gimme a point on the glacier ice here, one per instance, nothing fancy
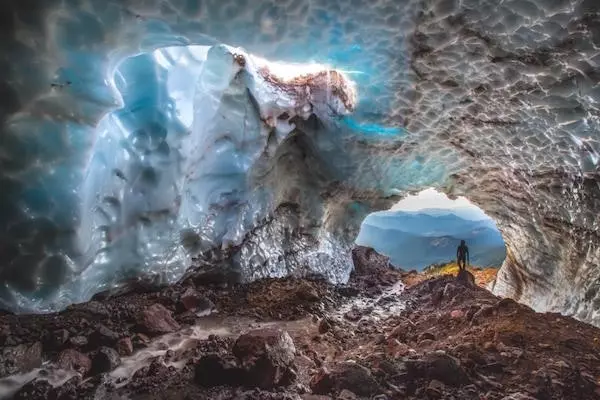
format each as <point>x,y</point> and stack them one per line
<point>176,171</point>
<point>104,132</point>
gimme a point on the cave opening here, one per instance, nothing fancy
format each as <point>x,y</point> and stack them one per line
<point>425,229</point>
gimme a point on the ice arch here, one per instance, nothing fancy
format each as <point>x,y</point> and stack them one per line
<point>426,228</point>
<point>497,101</point>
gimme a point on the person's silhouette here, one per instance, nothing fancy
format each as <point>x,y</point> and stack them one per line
<point>462,255</point>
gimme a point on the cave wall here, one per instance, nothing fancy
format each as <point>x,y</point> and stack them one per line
<point>496,101</point>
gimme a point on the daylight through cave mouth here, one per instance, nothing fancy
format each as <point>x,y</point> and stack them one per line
<point>425,229</point>
<point>107,179</point>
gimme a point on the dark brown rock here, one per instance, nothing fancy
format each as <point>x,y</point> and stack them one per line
<point>71,359</point>
<point>68,390</point>
<point>21,358</point>
<point>105,360</point>
<point>366,258</point>
<point>306,292</point>
<point>94,307</point>
<point>36,389</point>
<point>78,341</point>
<point>267,356</point>
<point>191,300</point>
<point>348,291</point>
<point>435,389</point>
<point>426,336</point>
<point>352,315</point>
<point>217,370</point>
<point>125,346</point>
<point>156,319</point>
<point>441,367</point>
<point>347,395</point>
<point>103,336</point>
<point>466,278</point>
<point>140,341</point>
<point>350,376</point>
<point>324,326</point>
<point>56,339</point>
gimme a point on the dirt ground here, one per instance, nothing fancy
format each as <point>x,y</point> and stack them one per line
<point>387,334</point>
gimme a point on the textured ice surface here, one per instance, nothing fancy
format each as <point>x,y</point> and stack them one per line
<point>495,100</point>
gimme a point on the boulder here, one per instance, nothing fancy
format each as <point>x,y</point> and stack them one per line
<point>306,292</point>
<point>68,390</point>
<point>349,376</point>
<point>140,341</point>
<point>441,367</point>
<point>353,315</point>
<point>71,359</point>
<point>125,346</point>
<point>191,300</point>
<point>435,389</point>
<point>103,336</point>
<point>156,319</point>
<point>21,358</point>
<point>466,278</point>
<point>394,348</point>
<point>218,370</point>
<point>347,395</point>
<point>94,307</point>
<point>36,389</point>
<point>267,357</point>
<point>426,336</point>
<point>78,341</point>
<point>366,258</point>
<point>105,360</point>
<point>348,291</point>
<point>324,326</point>
<point>56,339</point>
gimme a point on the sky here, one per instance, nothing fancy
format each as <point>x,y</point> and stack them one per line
<point>431,198</point>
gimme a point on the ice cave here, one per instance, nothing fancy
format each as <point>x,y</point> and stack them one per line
<point>140,138</point>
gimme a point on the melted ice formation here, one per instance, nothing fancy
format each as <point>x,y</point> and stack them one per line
<point>122,155</point>
<point>177,171</point>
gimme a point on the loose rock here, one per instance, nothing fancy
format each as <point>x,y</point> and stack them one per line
<point>156,319</point>
<point>103,336</point>
<point>350,376</point>
<point>347,395</point>
<point>57,339</point>
<point>216,370</point>
<point>441,367</point>
<point>105,360</point>
<point>36,389</point>
<point>71,359</point>
<point>267,356</point>
<point>435,389</point>
<point>21,358</point>
<point>191,300</point>
<point>125,346</point>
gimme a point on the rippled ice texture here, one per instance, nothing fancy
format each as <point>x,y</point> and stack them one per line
<point>495,100</point>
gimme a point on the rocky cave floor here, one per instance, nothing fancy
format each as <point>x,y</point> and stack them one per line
<point>438,338</point>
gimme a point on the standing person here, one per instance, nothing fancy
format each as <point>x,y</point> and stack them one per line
<point>462,255</point>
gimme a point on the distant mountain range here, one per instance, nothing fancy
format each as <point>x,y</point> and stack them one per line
<point>417,239</point>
